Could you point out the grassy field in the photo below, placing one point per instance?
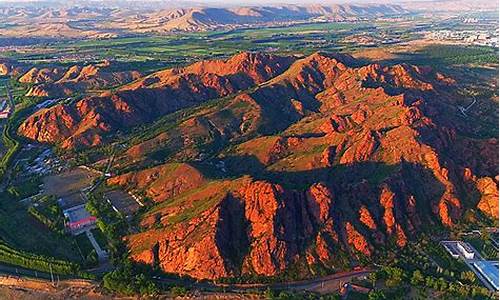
(22, 231)
(148, 53)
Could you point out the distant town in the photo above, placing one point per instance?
(481, 33)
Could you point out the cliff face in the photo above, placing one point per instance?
(313, 163)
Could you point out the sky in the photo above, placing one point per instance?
(224, 2)
(235, 2)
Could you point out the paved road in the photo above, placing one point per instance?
(327, 284)
(18, 271)
(464, 110)
(101, 254)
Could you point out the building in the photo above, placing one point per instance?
(466, 250)
(488, 271)
(451, 249)
(5, 110)
(78, 219)
(46, 103)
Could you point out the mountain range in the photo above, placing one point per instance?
(105, 22)
(264, 165)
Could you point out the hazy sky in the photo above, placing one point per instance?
(227, 2)
(235, 2)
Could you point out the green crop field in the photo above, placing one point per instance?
(148, 53)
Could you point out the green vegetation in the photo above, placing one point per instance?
(100, 238)
(130, 279)
(290, 295)
(10, 140)
(28, 260)
(484, 245)
(111, 224)
(458, 55)
(25, 189)
(32, 235)
(423, 270)
(22, 230)
(12, 146)
(149, 53)
(49, 213)
(88, 251)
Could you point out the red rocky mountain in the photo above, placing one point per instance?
(84, 122)
(307, 163)
(66, 81)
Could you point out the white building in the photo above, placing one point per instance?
(465, 250)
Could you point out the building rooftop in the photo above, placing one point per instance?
(466, 247)
(77, 213)
(489, 270)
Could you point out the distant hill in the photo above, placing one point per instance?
(95, 22)
(451, 5)
(199, 19)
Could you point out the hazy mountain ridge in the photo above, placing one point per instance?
(107, 22)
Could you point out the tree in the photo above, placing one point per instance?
(429, 281)
(269, 294)
(468, 276)
(417, 278)
(128, 280)
(394, 276)
(376, 295)
(441, 284)
(485, 237)
(145, 286)
(373, 278)
(178, 291)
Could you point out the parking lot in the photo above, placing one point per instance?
(67, 185)
(122, 202)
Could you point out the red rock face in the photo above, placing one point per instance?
(366, 218)
(356, 240)
(319, 200)
(263, 206)
(361, 150)
(387, 202)
(488, 189)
